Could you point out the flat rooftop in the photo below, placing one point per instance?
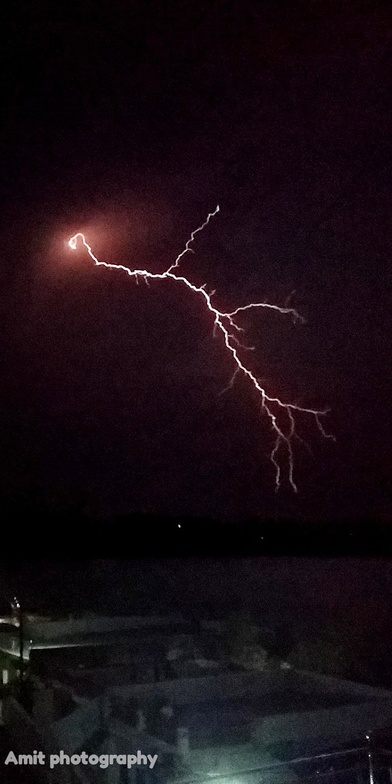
(267, 693)
(288, 701)
(230, 720)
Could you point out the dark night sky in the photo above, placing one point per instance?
(131, 121)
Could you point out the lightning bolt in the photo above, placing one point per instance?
(281, 415)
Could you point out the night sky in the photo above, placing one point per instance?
(130, 122)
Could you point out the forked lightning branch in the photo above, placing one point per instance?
(227, 325)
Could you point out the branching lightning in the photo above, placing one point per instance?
(281, 415)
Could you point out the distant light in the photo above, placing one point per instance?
(178, 526)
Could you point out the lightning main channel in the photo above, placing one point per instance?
(281, 415)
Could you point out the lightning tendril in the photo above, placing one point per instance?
(281, 415)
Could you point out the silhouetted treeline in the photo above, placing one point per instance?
(75, 534)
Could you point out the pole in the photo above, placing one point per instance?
(21, 643)
(370, 758)
(15, 604)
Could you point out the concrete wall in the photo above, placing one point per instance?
(26, 738)
(9, 643)
(221, 760)
(49, 630)
(74, 731)
(330, 685)
(339, 725)
(101, 678)
(207, 687)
